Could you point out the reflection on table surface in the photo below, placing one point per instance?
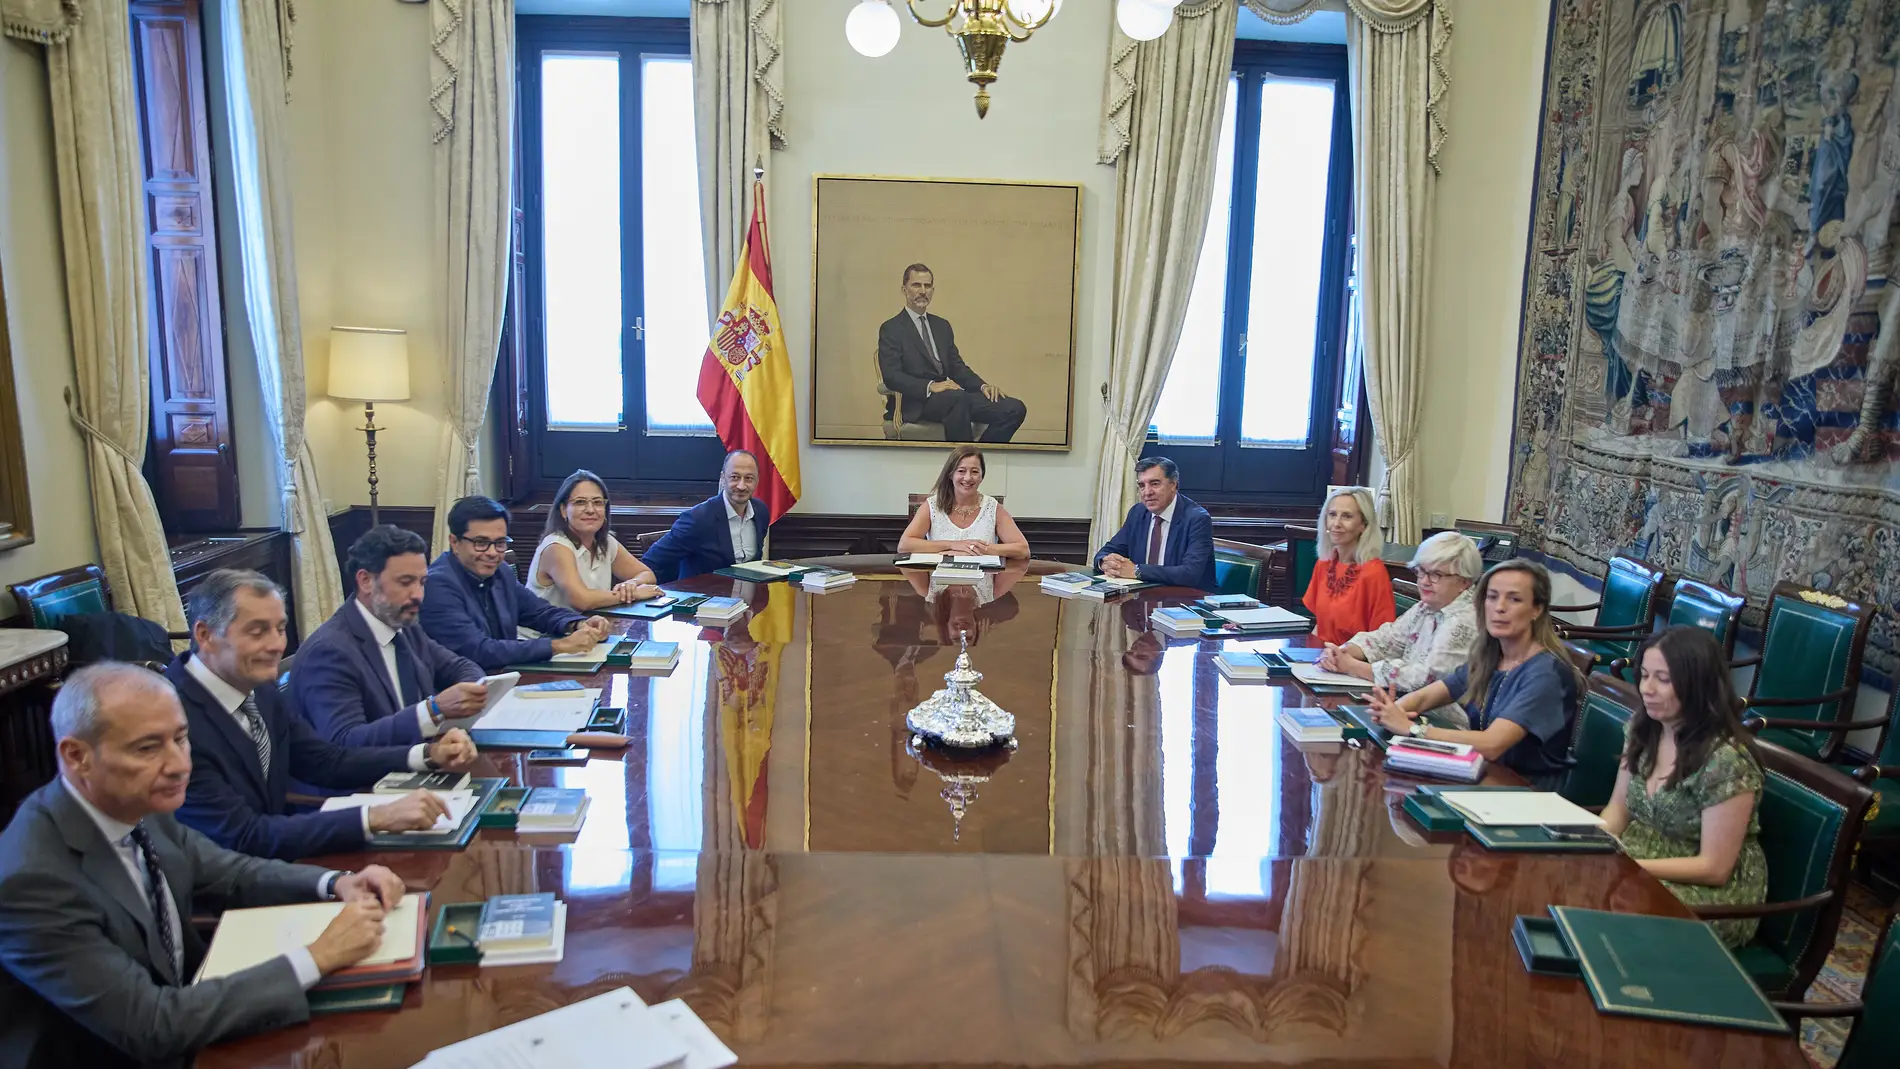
(1154, 875)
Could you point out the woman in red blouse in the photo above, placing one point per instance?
(1351, 590)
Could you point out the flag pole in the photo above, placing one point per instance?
(758, 204)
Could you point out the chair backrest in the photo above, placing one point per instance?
(1496, 541)
(1698, 604)
(1888, 752)
(645, 539)
(1241, 568)
(1629, 593)
(1303, 542)
(916, 501)
(1811, 817)
(1876, 1035)
(1811, 645)
(44, 601)
(1583, 659)
(1404, 595)
(1597, 745)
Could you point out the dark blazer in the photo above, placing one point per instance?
(452, 615)
(700, 541)
(906, 364)
(338, 682)
(83, 980)
(1190, 550)
(238, 807)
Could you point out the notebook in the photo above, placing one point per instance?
(248, 937)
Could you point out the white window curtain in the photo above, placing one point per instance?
(257, 69)
(738, 113)
(473, 95)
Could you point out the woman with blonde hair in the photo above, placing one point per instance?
(1350, 591)
(960, 518)
(1518, 688)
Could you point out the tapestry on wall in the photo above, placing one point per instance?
(1707, 361)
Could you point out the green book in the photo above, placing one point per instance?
(1668, 968)
(1534, 838)
(355, 999)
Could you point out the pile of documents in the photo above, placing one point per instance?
(1517, 809)
(1264, 619)
(611, 1031)
(565, 713)
(1439, 760)
(827, 579)
(932, 560)
(1323, 682)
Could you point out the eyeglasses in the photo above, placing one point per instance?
(1436, 577)
(587, 504)
(483, 545)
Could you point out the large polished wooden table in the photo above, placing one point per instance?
(1155, 876)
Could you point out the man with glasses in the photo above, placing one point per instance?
(725, 529)
(476, 606)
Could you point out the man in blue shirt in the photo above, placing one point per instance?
(474, 603)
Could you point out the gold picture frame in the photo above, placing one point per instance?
(1005, 258)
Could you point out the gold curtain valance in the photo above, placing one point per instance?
(49, 22)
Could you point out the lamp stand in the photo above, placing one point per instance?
(369, 430)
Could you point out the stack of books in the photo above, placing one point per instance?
(552, 809)
(1177, 622)
(1228, 601)
(951, 571)
(650, 656)
(522, 930)
(1439, 760)
(762, 571)
(719, 612)
(827, 579)
(1248, 666)
(1303, 724)
(1263, 620)
(1065, 584)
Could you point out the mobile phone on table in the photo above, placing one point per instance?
(663, 599)
(1428, 744)
(1576, 833)
(558, 757)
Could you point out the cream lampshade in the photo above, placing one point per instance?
(369, 364)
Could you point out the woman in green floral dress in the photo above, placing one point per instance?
(1687, 793)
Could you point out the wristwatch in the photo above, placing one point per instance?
(1418, 729)
(336, 877)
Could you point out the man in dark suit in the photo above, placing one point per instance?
(917, 352)
(475, 604)
(725, 529)
(98, 884)
(246, 749)
(1167, 538)
(366, 677)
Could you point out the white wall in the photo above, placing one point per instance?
(37, 326)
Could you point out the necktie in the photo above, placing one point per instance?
(1155, 540)
(155, 895)
(930, 343)
(409, 687)
(260, 735)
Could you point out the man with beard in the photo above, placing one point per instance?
(368, 676)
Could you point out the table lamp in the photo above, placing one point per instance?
(369, 364)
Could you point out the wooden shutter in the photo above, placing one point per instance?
(509, 401)
(193, 462)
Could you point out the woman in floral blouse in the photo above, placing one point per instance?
(1433, 638)
(1350, 591)
(1689, 790)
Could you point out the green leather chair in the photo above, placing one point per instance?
(1808, 671)
(1303, 544)
(1626, 611)
(1242, 568)
(1404, 595)
(45, 601)
(1597, 747)
(1696, 604)
(1875, 1039)
(1811, 816)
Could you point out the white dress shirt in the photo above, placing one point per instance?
(1166, 519)
(230, 698)
(119, 834)
(386, 638)
(745, 540)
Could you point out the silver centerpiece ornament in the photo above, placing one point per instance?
(959, 716)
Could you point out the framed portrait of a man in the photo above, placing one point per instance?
(943, 310)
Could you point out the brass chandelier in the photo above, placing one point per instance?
(981, 28)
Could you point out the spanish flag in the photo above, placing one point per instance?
(745, 378)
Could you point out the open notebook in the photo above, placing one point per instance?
(248, 937)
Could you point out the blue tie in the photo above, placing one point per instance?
(155, 895)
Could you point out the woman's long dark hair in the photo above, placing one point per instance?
(557, 516)
(1699, 674)
(946, 488)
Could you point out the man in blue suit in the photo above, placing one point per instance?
(246, 749)
(725, 529)
(366, 677)
(1167, 538)
(475, 604)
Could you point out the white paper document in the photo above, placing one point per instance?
(1518, 808)
(566, 714)
(703, 1049)
(614, 1030)
(1314, 675)
(499, 687)
(459, 803)
(1112, 580)
(981, 560)
(1264, 616)
(599, 651)
(248, 937)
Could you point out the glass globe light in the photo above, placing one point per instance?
(1144, 20)
(872, 28)
(1032, 11)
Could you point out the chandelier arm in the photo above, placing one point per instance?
(1010, 18)
(933, 24)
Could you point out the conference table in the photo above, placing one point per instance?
(1155, 875)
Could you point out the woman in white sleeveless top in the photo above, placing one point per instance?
(580, 564)
(960, 518)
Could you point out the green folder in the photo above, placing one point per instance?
(354, 999)
(455, 838)
(1667, 968)
(1534, 839)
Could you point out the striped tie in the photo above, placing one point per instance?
(155, 895)
(260, 735)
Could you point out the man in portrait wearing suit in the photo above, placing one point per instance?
(475, 604)
(917, 352)
(247, 749)
(368, 676)
(98, 884)
(725, 529)
(1166, 538)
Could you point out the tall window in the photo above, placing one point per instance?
(615, 271)
(1250, 405)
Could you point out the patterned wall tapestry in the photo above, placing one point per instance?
(1707, 361)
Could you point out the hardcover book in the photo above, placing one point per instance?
(517, 922)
